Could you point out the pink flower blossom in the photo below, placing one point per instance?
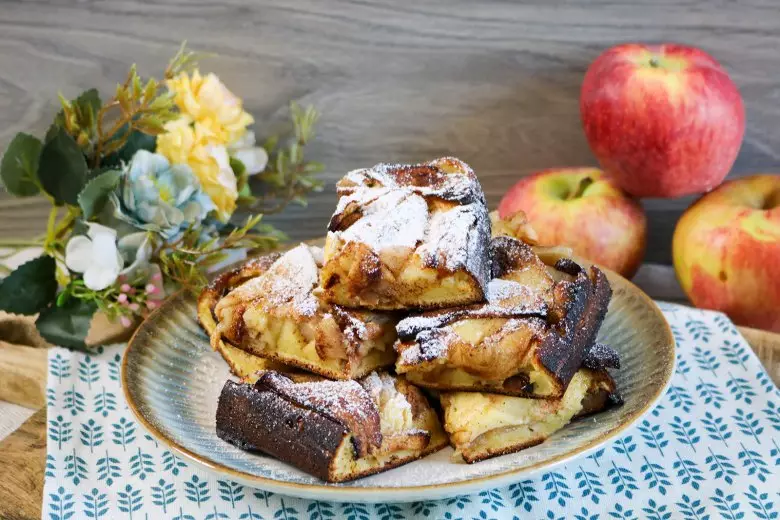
(125, 321)
(122, 298)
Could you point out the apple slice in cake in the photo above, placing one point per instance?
(408, 236)
(483, 425)
(528, 339)
(268, 309)
(334, 430)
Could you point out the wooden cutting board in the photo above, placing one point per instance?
(23, 453)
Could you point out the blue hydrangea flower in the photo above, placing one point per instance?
(158, 196)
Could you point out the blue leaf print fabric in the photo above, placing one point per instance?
(709, 451)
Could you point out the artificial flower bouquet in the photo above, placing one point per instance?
(143, 187)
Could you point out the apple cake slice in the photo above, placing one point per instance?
(268, 309)
(528, 339)
(408, 236)
(334, 430)
(243, 364)
(483, 425)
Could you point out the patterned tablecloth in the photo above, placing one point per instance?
(710, 450)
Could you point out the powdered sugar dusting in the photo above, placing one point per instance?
(505, 299)
(457, 239)
(395, 411)
(601, 356)
(354, 328)
(510, 297)
(427, 179)
(395, 218)
(388, 206)
(344, 401)
(430, 344)
(290, 280)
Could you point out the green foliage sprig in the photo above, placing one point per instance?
(80, 167)
(186, 260)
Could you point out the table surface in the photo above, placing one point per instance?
(495, 83)
(23, 453)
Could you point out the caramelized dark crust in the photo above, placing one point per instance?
(602, 394)
(601, 356)
(584, 308)
(345, 402)
(299, 436)
(335, 430)
(527, 346)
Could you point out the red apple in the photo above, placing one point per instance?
(726, 251)
(663, 120)
(583, 209)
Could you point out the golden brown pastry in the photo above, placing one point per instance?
(483, 425)
(408, 236)
(268, 309)
(335, 430)
(528, 339)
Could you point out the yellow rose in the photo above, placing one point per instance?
(206, 100)
(196, 145)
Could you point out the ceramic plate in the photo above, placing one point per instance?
(172, 378)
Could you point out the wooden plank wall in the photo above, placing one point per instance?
(493, 82)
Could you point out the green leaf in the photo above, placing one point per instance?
(237, 166)
(68, 325)
(136, 141)
(63, 169)
(30, 287)
(53, 130)
(89, 99)
(94, 196)
(19, 168)
(270, 144)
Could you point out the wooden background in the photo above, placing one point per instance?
(495, 83)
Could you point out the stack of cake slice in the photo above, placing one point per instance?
(412, 295)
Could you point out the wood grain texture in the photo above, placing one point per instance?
(23, 375)
(22, 464)
(495, 83)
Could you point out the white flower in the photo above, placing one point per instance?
(225, 177)
(96, 256)
(254, 158)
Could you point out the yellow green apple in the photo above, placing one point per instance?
(584, 209)
(726, 251)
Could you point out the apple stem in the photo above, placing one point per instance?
(581, 187)
(655, 62)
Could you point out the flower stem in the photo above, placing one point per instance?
(50, 227)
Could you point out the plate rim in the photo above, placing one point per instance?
(405, 493)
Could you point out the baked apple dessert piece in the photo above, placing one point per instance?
(268, 309)
(528, 339)
(484, 425)
(408, 237)
(334, 430)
